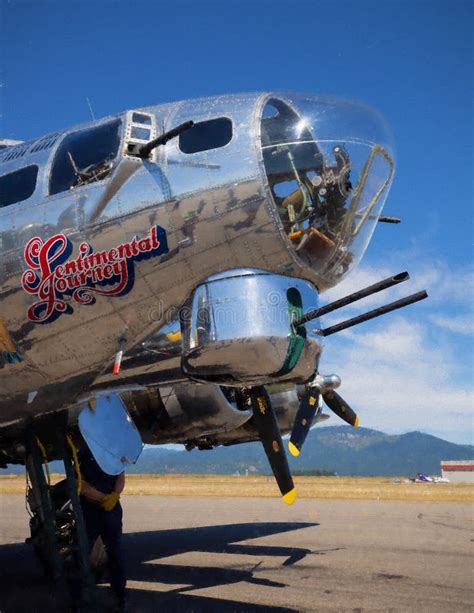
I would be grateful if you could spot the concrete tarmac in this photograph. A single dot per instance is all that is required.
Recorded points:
(256, 554)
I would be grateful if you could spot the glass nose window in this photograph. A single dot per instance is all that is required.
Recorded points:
(329, 168)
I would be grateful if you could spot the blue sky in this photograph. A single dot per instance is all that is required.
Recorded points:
(410, 60)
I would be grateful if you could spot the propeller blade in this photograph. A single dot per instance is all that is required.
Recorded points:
(338, 406)
(303, 420)
(269, 431)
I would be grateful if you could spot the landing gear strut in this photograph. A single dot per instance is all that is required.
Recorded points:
(58, 532)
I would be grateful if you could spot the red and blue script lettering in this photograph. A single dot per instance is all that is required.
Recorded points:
(59, 281)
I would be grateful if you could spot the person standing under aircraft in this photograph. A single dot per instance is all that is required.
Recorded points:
(100, 500)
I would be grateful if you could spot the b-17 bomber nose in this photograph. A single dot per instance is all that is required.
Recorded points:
(329, 166)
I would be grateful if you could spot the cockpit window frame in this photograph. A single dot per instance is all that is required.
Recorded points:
(117, 152)
(33, 184)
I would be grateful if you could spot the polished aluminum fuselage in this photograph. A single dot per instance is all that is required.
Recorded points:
(167, 225)
(218, 214)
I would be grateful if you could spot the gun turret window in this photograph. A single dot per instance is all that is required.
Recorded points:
(141, 118)
(17, 186)
(85, 157)
(140, 133)
(206, 135)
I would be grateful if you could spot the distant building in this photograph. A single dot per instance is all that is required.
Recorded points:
(458, 471)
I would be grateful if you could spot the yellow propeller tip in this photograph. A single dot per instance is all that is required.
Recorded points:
(356, 423)
(290, 497)
(293, 449)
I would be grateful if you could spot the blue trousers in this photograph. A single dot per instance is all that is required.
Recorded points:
(108, 525)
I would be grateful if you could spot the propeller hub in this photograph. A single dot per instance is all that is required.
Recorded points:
(326, 383)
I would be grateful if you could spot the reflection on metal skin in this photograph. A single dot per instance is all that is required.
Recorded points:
(203, 415)
(325, 383)
(285, 404)
(236, 330)
(183, 413)
(110, 434)
(166, 342)
(221, 209)
(239, 329)
(155, 361)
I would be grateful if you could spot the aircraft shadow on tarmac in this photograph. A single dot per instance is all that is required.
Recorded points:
(22, 587)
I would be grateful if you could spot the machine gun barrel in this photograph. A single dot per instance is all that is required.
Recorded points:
(144, 150)
(363, 293)
(393, 306)
(386, 219)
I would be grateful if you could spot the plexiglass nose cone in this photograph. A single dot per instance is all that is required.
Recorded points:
(329, 166)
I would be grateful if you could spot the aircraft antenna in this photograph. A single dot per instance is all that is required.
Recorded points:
(90, 108)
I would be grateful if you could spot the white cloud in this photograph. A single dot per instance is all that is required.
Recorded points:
(443, 284)
(400, 379)
(460, 324)
(414, 369)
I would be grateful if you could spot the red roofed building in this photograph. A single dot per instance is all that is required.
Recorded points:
(458, 471)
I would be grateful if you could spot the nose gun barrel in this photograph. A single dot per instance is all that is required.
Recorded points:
(393, 306)
(363, 293)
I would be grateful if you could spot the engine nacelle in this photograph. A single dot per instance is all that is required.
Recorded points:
(203, 415)
(184, 412)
